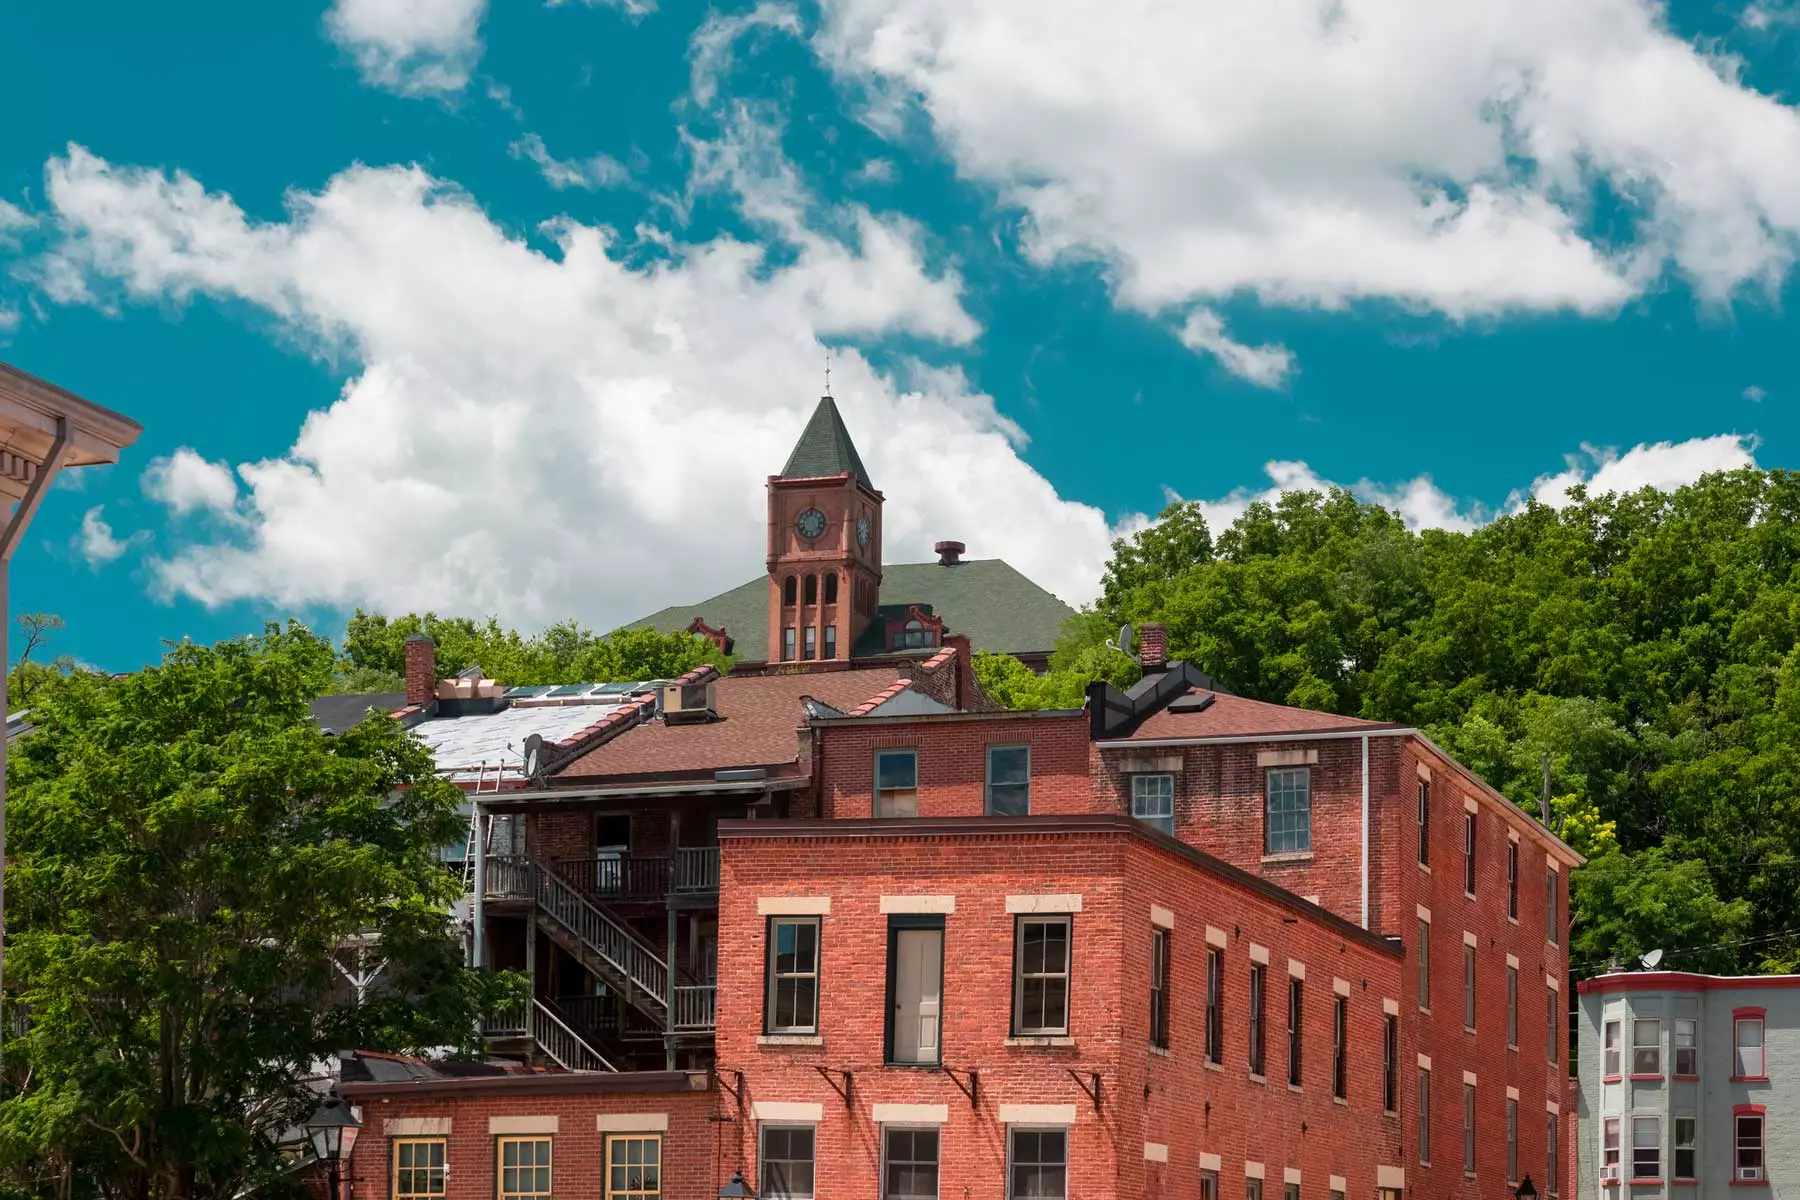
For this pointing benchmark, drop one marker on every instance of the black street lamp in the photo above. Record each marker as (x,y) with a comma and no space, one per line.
(1525,1190)
(332,1129)
(737,1189)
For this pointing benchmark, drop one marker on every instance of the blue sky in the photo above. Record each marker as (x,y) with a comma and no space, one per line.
(509,307)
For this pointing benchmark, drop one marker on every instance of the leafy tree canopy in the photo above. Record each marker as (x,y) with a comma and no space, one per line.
(375,658)
(189,854)
(1642,651)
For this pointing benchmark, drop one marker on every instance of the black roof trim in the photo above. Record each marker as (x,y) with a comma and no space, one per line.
(1066,824)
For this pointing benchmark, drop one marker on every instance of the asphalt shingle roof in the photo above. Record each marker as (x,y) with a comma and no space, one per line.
(1236,716)
(825,448)
(998,609)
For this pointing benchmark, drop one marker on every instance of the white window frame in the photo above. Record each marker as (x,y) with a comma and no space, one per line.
(881,807)
(1762,1047)
(1653,1122)
(988,790)
(1646,1058)
(1677,1144)
(1291,837)
(1612,1059)
(1686,1044)
(1143,795)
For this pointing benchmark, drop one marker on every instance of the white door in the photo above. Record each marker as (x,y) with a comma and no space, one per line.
(918,994)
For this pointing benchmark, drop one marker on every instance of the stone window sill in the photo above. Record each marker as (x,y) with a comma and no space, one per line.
(1212,1066)
(1032,1040)
(1287,856)
(1750,1079)
(1255,1078)
(1160,1051)
(790,1039)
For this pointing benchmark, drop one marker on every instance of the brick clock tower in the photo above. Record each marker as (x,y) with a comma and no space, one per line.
(824,545)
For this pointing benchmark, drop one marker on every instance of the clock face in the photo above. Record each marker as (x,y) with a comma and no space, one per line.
(862,531)
(810,524)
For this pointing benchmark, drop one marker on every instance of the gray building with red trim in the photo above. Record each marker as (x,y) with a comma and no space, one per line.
(1689,1085)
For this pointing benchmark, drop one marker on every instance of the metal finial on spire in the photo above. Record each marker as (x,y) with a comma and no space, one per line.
(828,374)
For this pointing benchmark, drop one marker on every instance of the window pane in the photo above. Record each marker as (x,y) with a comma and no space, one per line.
(1687,1050)
(1610,1049)
(1039,1163)
(1424,964)
(1287,826)
(787,1162)
(1684,1147)
(1750,1048)
(1153,800)
(912,1165)
(1646,1148)
(897,769)
(1749,1142)
(1646,1047)
(1008,781)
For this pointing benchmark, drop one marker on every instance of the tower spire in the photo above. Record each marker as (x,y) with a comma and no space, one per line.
(825,448)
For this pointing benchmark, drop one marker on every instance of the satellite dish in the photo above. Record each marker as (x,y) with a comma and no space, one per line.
(1125,637)
(1651,960)
(533,747)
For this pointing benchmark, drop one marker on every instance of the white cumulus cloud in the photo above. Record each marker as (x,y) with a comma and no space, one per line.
(1444,157)
(187,483)
(96,542)
(541,435)
(414,47)
(1265,366)
(1661,465)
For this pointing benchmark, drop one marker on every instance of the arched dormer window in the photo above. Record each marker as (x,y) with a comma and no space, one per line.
(789,589)
(812,589)
(831,588)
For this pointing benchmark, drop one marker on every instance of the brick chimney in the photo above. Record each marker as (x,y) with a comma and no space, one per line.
(1153,646)
(421,670)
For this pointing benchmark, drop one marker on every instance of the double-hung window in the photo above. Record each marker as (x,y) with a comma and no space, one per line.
(1390,1065)
(1551,1001)
(1468,1128)
(1424,822)
(1008,781)
(1340,1047)
(1296,1003)
(787,1162)
(1469,853)
(1687,1049)
(1747,1142)
(1215,1005)
(1468,986)
(524,1166)
(1646,1046)
(1253,1189)
(1685,1129)
(1425,1116)
(1512,879)
(1258,977)
(1041,976)
(1646,1147)
(1609,1146)
(1425,964)
(1512,1140)
(1552,1152)
(909,1164)
(1153,801)
(896,783)
(1287,811)
(1159,988)
(1747,1033)
(1512,1007)
(793,1000)
(419,1168)
(1549,904)
(1609,1050)
(1038,1164)
(634,1166)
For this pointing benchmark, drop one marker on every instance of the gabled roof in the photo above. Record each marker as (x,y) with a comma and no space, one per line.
(335,714)
(760,717)
(1228,716)
(986,600)
(825,448)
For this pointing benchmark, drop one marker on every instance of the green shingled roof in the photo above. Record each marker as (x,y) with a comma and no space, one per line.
(825,448)
(997,608)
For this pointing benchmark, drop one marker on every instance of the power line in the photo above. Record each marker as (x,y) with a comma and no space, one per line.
(1778,935)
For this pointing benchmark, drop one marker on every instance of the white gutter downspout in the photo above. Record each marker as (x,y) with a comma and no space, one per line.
(1365,831)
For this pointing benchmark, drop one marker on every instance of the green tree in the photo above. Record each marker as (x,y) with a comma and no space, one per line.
(1629,904)
(190,853)
(374,651)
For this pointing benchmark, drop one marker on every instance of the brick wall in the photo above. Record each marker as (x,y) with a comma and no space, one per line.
(953,763)
(1152,1105)
(691,1169)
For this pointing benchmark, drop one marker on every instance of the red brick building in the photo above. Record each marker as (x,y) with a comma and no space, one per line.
(895,944)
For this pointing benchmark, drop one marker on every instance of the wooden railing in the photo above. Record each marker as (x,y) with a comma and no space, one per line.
(697,869)
(695,1006)
(611,878)
(506,1021)
(562,1044)
(508,877)
(612,941)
